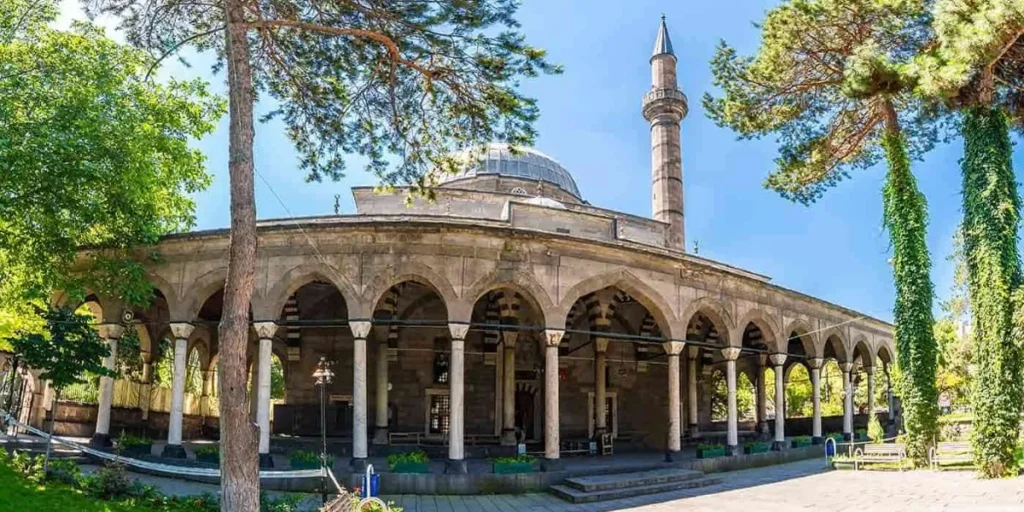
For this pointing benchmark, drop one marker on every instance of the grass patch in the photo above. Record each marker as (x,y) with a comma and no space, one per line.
(18,493)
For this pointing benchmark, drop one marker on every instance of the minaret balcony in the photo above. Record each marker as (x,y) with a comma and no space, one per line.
(664,101)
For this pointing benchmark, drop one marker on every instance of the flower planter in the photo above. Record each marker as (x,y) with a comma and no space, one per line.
(706,453)
(511,468)
(411,467)
(137,449)
(762,448)
(304,464)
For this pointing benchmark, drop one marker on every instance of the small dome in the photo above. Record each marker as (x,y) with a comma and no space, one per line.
(526,163)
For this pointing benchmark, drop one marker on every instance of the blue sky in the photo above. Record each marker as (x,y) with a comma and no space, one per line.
(591,123)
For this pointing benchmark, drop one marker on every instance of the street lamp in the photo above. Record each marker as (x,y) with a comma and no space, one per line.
(323,376)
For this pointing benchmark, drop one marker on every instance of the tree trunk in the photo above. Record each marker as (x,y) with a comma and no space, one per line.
(239,462)
(49,439)
(906,219)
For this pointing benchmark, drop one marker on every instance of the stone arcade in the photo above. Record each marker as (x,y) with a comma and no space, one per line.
(509,310)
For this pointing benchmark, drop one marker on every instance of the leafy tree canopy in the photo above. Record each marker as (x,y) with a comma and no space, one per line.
(66,351)
(400,82)
(91,156)
(823,79)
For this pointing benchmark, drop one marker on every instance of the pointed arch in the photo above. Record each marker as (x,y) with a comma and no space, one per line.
(833,338)
(416,273)
(628,282)
(523,283)
(288,283)
(862,348)
(715,312)
(197,294)
(804,335)
(769,328)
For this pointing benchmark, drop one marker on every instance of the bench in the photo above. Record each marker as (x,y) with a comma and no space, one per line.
(956,452)
(880,453)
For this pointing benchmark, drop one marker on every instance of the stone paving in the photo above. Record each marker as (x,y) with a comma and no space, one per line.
(803,485)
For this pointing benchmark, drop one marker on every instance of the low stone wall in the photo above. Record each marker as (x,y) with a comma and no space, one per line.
(805,426)
(79,420)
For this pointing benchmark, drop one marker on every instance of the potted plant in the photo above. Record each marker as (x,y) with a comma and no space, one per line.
(208,453)
(755,447)
(710,451)
(304,459)
(512,465)
(801,441)
(134,445)
(411,462)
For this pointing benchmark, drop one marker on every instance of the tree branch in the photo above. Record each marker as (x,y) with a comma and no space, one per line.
(174,49)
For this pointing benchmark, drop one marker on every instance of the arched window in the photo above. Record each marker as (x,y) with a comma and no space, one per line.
(519,191)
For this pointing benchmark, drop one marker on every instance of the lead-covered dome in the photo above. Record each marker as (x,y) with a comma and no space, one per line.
(525,163)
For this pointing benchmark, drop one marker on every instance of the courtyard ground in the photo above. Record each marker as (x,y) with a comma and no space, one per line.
(803,485)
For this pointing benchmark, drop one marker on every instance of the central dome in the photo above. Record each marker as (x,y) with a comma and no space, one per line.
(525,163)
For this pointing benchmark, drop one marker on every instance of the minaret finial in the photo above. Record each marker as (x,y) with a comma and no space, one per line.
(662,44)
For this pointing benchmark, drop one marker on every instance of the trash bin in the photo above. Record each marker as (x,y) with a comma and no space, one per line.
(371,484)
(830,448)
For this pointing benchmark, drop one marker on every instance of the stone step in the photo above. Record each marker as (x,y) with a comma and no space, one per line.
(631,479)
(574,495)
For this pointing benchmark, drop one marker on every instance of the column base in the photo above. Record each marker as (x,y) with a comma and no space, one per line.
(671,456)
(266,461)
(380,437)
(455,467)
(693,430)
(847,436)
(100,441)
(358,464)
(173,451)
(508,437)
(778,446)
(733,450)
(551,464)
(817,440)
(762,428)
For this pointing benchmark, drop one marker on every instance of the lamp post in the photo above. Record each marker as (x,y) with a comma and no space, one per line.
(323,376)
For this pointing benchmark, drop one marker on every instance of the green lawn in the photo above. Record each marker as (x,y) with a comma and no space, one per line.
(16,493)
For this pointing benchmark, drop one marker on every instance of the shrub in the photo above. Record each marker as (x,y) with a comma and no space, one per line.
(755,444)
(65,471)
(416,457)
(875,431)
(207,450)
(306,458)
(108,482)
(711,447)
(280,503)
(126,440)
(518,459)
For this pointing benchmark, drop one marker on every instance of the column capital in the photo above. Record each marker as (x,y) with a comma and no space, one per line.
(778,359)
(553,337)
(673,348)
(509,338)
(360,328)
(870,370)
(182,330)
(762,359)
(815,363)
(110,331)
(265,330)
(600,345)
(458,331)
(693,352)
(846,367)
(731,353)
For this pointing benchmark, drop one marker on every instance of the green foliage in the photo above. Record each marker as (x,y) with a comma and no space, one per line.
(207,449)
(414,457)
(402,84)
(518,459)
(67,350)
(991,216)
(816,84)
(126,440)
(875,432)
(710,446)
(110,481)
(755,445)
(91,156)
(306,458)
(916,349)
(280,503)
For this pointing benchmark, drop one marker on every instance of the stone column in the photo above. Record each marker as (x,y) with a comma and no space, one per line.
(456,375)
(600,387)
(360,450)
(779,360)
(672,350)
(732,438)
(871,389)
(204,399)
(145,389)
(101,438)
(847,401)
(691,389)
(265,331)
(552,439)
(380,433)
(762,397)
(181,332)
(815,364)
(508,395)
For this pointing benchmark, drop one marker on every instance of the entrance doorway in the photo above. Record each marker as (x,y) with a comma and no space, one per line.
(526,396)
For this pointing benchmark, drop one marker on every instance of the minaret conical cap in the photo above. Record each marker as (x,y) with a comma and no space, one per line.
(663,44)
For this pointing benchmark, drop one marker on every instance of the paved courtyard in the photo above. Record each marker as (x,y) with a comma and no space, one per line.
(801,485)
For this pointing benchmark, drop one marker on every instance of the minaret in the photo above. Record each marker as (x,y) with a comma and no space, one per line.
(665,108)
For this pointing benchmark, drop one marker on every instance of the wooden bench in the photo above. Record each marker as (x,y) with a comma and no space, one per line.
(880,453)
(956,452)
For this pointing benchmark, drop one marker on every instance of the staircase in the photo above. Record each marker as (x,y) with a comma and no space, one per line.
(590,489)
